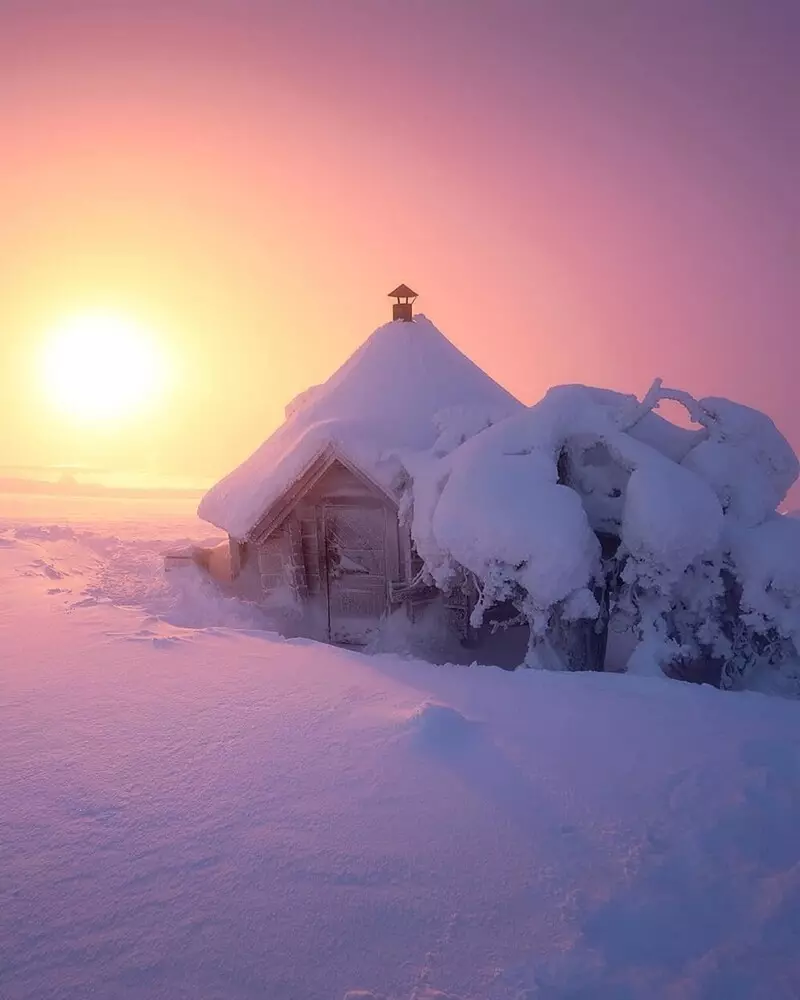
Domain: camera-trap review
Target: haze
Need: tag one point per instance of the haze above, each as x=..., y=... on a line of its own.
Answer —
x=580, y=192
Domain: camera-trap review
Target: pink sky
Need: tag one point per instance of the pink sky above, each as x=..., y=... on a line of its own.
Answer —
x=581, y=192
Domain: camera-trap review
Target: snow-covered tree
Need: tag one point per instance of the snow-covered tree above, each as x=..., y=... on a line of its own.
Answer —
x=590, y=507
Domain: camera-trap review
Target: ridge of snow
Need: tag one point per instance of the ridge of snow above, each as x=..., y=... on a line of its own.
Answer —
x=384, y=399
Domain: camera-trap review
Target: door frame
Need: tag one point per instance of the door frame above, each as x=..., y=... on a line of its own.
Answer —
x=324, y=510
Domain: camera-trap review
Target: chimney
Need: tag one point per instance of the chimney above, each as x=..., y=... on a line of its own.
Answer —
x=405, y=300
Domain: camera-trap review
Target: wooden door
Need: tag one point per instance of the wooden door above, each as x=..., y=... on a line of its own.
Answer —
x=355, y=563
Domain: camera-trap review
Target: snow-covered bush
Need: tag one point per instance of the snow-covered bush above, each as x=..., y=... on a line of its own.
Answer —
x=590, y=505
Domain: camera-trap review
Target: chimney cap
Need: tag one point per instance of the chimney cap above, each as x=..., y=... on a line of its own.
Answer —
x=403, y=292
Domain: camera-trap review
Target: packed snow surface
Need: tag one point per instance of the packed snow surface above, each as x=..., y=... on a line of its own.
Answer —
x=196, y=809
x=391, y=395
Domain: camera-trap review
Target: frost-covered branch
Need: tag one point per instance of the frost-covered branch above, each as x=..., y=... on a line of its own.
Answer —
x=653, y=397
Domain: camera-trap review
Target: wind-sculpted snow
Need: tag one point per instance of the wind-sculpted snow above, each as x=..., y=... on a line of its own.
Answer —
x=120, y=562
x=217, y=814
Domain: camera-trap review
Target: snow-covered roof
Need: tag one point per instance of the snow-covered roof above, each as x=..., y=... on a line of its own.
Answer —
x=384, y=400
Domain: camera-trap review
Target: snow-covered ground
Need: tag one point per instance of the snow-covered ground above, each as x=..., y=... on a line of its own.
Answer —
x=192, y=808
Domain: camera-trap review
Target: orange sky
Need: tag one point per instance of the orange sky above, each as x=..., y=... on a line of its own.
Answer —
x=576, y=197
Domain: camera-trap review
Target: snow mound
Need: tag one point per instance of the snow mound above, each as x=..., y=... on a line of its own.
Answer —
x=441, y=727
x=386, y=398
x=746, y=460
x=509, y=516
x=670, y=516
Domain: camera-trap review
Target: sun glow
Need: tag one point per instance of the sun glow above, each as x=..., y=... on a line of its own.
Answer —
x=102, y=367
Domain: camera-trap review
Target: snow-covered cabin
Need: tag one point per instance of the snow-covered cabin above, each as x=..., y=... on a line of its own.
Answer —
x=314, y=512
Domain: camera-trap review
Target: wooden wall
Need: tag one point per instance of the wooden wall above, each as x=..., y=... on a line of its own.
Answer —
x=293, y=554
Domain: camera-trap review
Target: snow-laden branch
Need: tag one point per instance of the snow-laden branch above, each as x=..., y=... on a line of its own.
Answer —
x=653, y=397
x=691, y=523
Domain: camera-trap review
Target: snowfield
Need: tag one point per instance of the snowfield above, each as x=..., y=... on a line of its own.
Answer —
x=193, y=808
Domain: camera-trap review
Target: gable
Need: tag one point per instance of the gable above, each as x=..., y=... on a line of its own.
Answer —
x=330, y=477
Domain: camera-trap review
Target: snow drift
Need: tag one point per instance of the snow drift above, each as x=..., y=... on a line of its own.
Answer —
x=213, y=813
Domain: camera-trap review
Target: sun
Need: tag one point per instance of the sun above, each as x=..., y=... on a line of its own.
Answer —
x=102, y=367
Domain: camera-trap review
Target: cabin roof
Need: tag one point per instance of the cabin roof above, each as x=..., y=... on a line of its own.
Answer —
x=324, y=459
x=387, y=399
